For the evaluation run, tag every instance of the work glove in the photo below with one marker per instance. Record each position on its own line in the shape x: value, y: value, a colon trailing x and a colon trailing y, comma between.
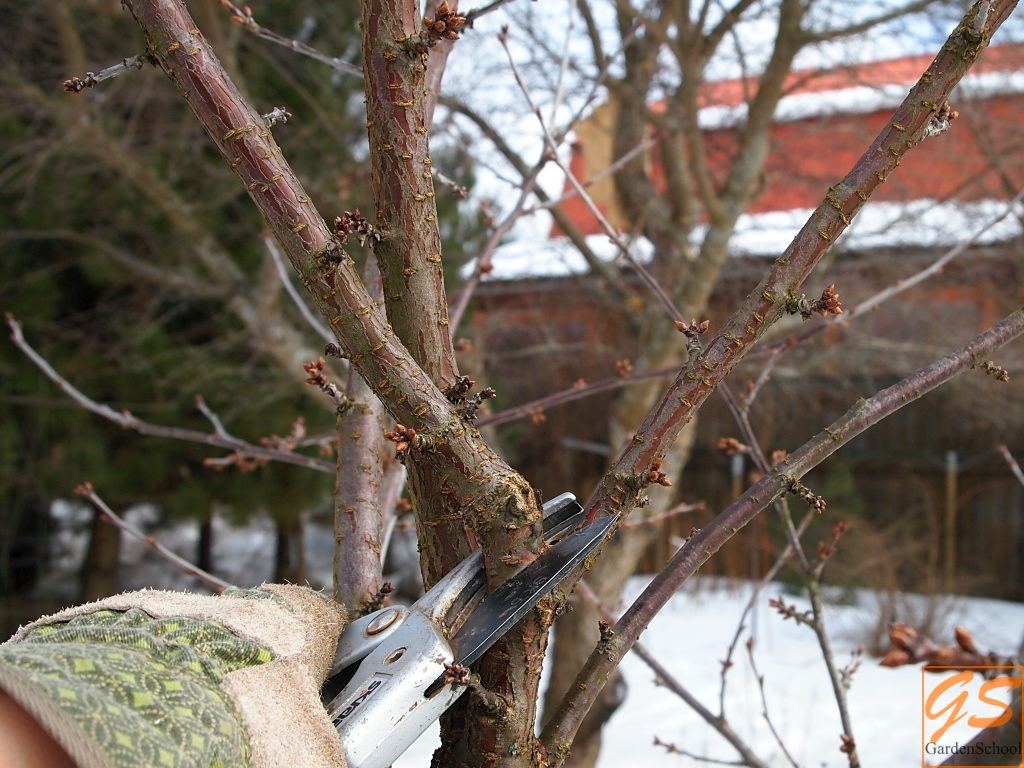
x: 155, y: 678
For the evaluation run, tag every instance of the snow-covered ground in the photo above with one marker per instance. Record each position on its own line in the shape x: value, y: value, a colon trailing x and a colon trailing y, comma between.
x: 690, y: 638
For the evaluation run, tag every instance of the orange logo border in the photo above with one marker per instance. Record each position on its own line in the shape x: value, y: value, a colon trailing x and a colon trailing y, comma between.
x: 1012, y: 678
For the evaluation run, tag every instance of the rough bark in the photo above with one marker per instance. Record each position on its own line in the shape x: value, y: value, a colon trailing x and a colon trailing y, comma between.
x: 457, y: 481
x: 689, y: 278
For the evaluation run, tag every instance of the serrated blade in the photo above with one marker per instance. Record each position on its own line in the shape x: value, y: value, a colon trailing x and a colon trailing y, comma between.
x: 507, y: 604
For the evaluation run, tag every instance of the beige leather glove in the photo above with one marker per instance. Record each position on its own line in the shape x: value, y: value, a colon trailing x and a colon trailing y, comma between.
x: 156, y: 678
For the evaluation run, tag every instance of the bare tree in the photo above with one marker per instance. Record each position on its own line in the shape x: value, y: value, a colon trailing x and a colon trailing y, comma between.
x: 651, y: 64
x: 463, y: 493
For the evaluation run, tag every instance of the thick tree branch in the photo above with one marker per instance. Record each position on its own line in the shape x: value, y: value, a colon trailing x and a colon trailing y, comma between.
x: 784, y: 478
x: 765, y: 304
x: 407, y: 240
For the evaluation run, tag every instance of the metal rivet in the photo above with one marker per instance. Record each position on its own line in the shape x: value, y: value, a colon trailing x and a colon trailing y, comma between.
x: 382, y: 622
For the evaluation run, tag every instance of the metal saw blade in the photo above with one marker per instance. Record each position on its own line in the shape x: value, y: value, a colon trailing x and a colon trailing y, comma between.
x: 507, y: 604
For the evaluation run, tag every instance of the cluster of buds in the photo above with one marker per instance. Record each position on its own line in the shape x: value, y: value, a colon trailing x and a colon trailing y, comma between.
x: 788, y: 611
x: 318, y: 378
x: 444, y: 25
x: 290, y: 441
x: 472, y: 405
x: 406, y: 439
x: 815, y: 502
x: 829, y: 548
x: 692, y: 332
x: 457, y: 392
x: 730, y: 446
x: 623, y: 369
x: 828, y: 304
x: 911, y: 647
x: 275, y: 116
x: 380, y: 598
x: 456, y: 674
x: 656, y: 476
x: 351, y: 223
x: 849, y: 746
x: 79, y: 84
x: 940, y: 121
x: 537, y: 415
x: 992, y: 369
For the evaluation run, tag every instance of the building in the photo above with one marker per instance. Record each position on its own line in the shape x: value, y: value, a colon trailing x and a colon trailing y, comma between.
x: 542, y: 323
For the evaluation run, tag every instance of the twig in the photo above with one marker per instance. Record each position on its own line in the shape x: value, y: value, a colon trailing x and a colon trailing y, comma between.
x: 710, y: 539
x: 834, y: 674
x: 812, y: 575
x: 1014, y: 466
x: 563, y: 67
x: 315, y: 322
x: 483, y: 10
x: 569, y: 395
x: 218, y: 585
x: 674, y: 749
x: 483, y: 259
x: 244, y: 18
x: 873, y: 302
x: 613, y: 234
x: 92, y: 79
x: 678, y: 509
x: 663, y: 676
x: 220, y: 438
x: 606, y: 172
x: 764, y: 703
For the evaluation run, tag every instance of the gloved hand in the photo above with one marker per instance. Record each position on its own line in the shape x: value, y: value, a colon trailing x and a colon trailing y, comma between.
x: 156, y: 678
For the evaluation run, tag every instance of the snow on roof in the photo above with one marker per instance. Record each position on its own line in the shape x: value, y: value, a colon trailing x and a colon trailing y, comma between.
x: 857, y: 100
x: 918, y: 223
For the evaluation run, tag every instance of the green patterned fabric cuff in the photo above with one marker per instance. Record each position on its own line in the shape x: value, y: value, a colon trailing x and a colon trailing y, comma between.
x: 146, y: 690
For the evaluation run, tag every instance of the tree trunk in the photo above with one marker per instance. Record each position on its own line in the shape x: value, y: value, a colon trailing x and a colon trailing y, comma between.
x: 100, y: 567
x: 290, y: 555
x: 204, y: 547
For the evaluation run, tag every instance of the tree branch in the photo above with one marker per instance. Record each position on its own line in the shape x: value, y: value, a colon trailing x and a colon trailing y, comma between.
x: 703, y: 544
x: 220, y: 438
x: 406, y: 239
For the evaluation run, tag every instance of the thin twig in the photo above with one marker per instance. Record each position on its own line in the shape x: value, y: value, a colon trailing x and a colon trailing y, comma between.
x: 244, y: 19
x: 764, y: 703
x: 610, y: 170
x: 1014, y: 466
x: 483, y: 10
x: 220, y: 438
x: 663, y: 676
x: 678, y: 509
x: 218, y: 585
x: 873, y: 302
x: 613, y: 234
x: 315, y: 322
x: 92, y: 79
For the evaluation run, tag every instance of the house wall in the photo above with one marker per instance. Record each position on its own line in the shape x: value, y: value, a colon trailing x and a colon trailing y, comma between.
x: 980, y: 157
x: 539, y: 337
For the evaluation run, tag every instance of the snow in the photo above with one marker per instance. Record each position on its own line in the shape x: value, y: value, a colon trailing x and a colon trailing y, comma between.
x: 858, y: 100
x: 918, y: 223
x: 690, y: 637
